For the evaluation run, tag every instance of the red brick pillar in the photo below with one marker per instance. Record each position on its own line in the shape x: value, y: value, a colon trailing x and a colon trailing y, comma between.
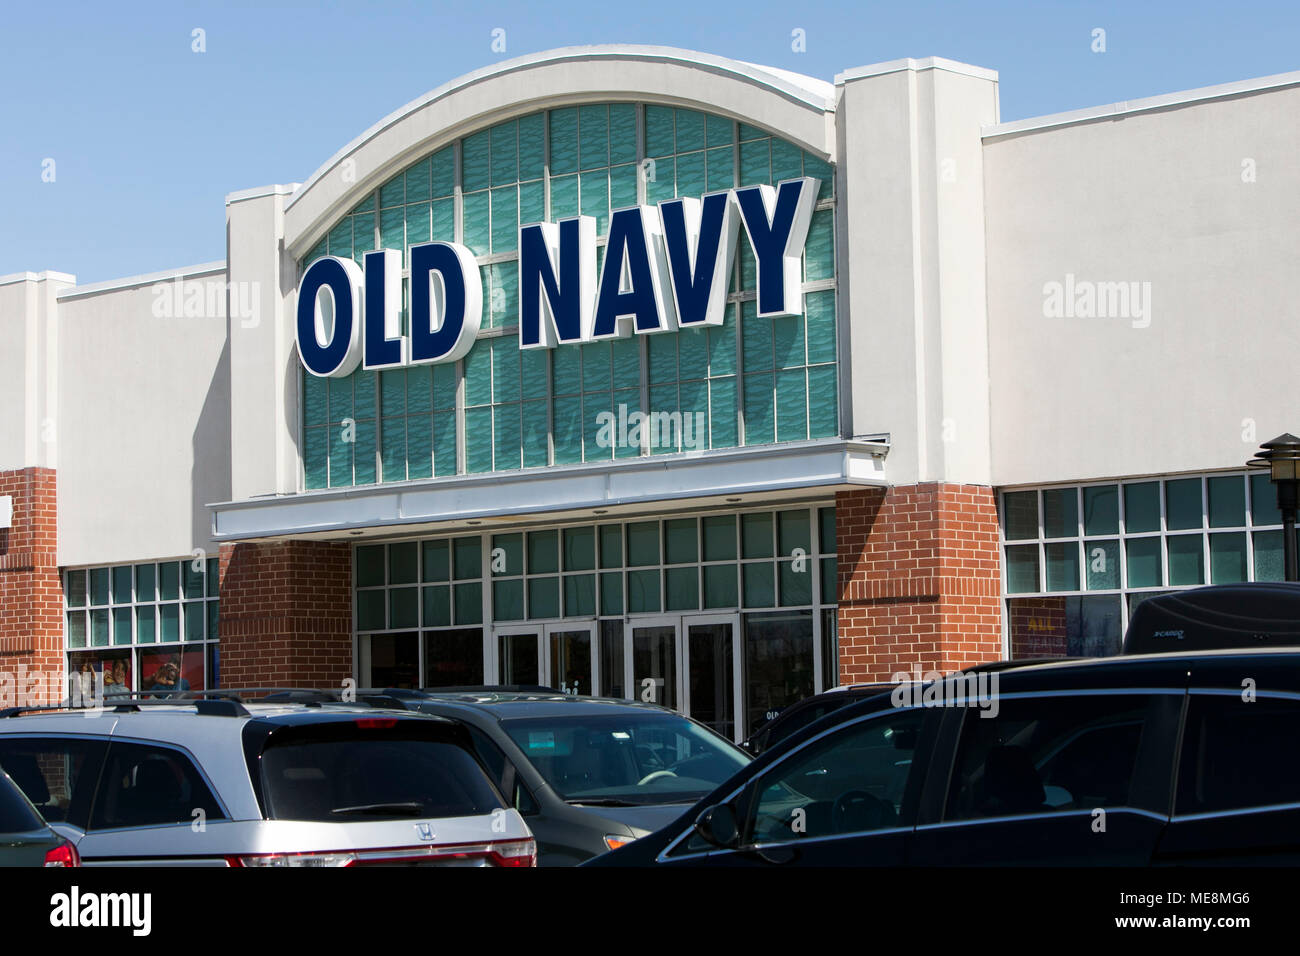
x: 286, y: 614
x: 919, y: 580
x: 31, y: 593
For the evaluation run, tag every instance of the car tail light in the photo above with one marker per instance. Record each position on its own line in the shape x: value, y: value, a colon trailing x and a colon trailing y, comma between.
x: 293, y: 859
x: 65, y: 854
x: 506, y: 853
x: 376, y: 723
x: 518, y: 853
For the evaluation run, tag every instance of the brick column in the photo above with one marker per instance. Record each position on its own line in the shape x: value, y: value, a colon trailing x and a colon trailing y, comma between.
x: 919, y: 579
x: 31, y: 592
x: 286, y: 614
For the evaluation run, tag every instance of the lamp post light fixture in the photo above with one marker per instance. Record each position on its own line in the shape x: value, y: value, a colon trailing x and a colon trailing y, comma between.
x: 1281, y: 457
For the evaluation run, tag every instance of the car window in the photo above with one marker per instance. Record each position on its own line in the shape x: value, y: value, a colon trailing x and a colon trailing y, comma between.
x: 1043, y: 754
x: 49, y: 769
x: 495, y: 760
x: 850, y: 781
x: 1236, y: 754
x: 146, y: 785
x: 779, y: 730
x: 16, y: 814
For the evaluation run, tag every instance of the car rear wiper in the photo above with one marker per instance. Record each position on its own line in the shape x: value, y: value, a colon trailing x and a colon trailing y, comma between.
x: 410, y: 808
x: 603, y: 802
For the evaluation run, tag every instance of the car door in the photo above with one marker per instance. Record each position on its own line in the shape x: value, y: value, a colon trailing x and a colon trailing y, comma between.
x: 1237, y: 799
x: 845, y: 797
x: 1053, y: 779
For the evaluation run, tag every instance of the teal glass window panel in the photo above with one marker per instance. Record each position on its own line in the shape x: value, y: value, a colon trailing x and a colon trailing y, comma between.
x: 417, y: 182
x: 622, y: 187
x: 1227, y: 501
x: 340, y: 399
x: 756, y: 535
x: 796, y: 580
x: 468, y: 600
x: 214, y: 619
x: 823, y: 404
x: 627, y: 401
x: 722, y: 413
x: 371, y: 610
x: 580, y: 595
x: 660, y: 138
x: 820, y: 169
x: 720, y: 586
x: 478, y: 440
x: 566, y: 370
x: 819, y: 247
x: 682, y: 589
x: 146, y: 577
x: 720, y: 166
x: 122, y: 626
x: 505, y: 153
x: 1142, y: 507
x: 505, y: 219
x: 393, y: 192
x: 543, y: 552
x: 419, y: 393
x: 567, y: 429
x: 394, y: 445
x: 364, y: 453
x: 1022, y: 568
x: 692, y: 353
x: 122, y: 584
x: 437, y: 606
x: 830, y: 592
x: 794, y: 531
x: 468, y: 558
x: 192, y: 578
x: 340, y: 456
x: 1263, y: 501
x: 507, y: 438
x: 532, y: 203
x: 722, y: 345
x: 392, y: 390
x: 791, y: 406
x: 476, y: 222
x: 611, y: 593
x: 622, y: 133
x: 392, y: 230
x: 826, y: 527
x: 787, y: 341
x: 694, y: 403
x: 611, y: 546
x: 642, y: 543
x: 403, y: 563
x: 757, y: 332
x: 564, y: 197
x: 364, y: 390
x: 533, y: 371
x: 1186, y: 559
x: 171, y: 623
x: 418, y: 228
x: 755, y: 162
x: 444, y: 444
x: 1101, y: 559
x: 593, y: 136
x: 661, y: 178
x: 363, y: 235
x: 1101, y: 509
x: 787, y: 161
x: 99, y: 627
x: 690, y: 130
x: 169, y: 582
x: 99, y: 579
x: 543, y: 597
x: 681, y: 542
x: 719, y: 131
x: 1183, y: 505
x: 759, y: 588
x: 443, y: 172
x: 1270, y: 562
x: 436, y: 560
x: 1060, y: 513
x: 340, y: 239
x: 370, y: 565
x: 403, y: 607
x: 820, y: 308
x: 1062, y: 565
x: 315, y: 399
x: 719, y: 537
x: 564, y: 140
x: 146, y: 625
x: 661, y: 357
x: 643, y: 591
x: 660, y: 433
x: 692, y: 176
x: 475, y: 161
x: 444, y: 221
x: 760, y: 428
x: 535, y: 448
x: 419, y: 446
x: 579, y: 549
x: 508, y: 600
x: 1143, y: 559
x: 596, y: 367
x: 595, y: 198
x: 598, y: 436
x: 748, y: 269
x: 1228, y: 557
x: 315, y: 458
x: 444, y: 387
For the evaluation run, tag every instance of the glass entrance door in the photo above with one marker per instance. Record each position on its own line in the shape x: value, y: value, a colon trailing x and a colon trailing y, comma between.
x: 519, y: 655
x: 653, y: 657
x: 571, y: 657
x: 713, y: 672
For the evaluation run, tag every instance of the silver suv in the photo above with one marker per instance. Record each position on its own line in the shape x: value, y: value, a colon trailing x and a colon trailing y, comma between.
x: 217, y: 782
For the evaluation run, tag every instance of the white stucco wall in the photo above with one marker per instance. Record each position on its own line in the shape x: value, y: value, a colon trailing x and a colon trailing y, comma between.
x: 28, y: 359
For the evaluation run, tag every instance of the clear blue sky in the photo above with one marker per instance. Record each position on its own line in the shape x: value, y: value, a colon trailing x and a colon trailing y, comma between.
x: 148, y: 137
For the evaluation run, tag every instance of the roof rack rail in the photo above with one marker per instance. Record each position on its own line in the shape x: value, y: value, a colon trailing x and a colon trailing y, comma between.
x: 131, y: 703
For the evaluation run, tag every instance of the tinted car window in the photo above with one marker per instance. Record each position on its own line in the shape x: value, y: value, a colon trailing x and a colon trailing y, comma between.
x: 850, y: 781
x: 144, y: 785
x: 337, y: 772
x: 1238, y: 754
x: 49, y: 769
x: 495, y: 760
x: 16, y: 814
x: 1044, y: 754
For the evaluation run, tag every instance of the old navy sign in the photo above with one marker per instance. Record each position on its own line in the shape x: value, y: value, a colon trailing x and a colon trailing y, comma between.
x: 665, y: 269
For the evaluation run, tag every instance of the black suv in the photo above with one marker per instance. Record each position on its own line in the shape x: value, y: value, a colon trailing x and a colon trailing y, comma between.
x: 1169, y: 758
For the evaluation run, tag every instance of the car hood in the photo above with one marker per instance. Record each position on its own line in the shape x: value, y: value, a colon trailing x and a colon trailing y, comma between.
x: 641, y: 819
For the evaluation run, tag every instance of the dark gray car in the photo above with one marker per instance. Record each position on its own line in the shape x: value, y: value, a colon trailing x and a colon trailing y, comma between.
x: 589, y: 774
x: 25, y: 838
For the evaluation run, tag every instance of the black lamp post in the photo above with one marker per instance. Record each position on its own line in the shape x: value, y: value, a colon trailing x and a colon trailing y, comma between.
x: 1281, y: 457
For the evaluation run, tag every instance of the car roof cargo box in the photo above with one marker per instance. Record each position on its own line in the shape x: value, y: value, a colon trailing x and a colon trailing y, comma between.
x: 1223, y: 616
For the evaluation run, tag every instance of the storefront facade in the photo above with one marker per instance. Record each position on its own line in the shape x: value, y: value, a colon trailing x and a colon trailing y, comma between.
x: 818, y: 422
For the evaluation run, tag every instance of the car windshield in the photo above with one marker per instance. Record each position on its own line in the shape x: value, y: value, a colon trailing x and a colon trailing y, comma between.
x: 632, y: 758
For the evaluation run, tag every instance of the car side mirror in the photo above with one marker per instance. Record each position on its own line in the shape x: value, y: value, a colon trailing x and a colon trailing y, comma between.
x: 717, y: 825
